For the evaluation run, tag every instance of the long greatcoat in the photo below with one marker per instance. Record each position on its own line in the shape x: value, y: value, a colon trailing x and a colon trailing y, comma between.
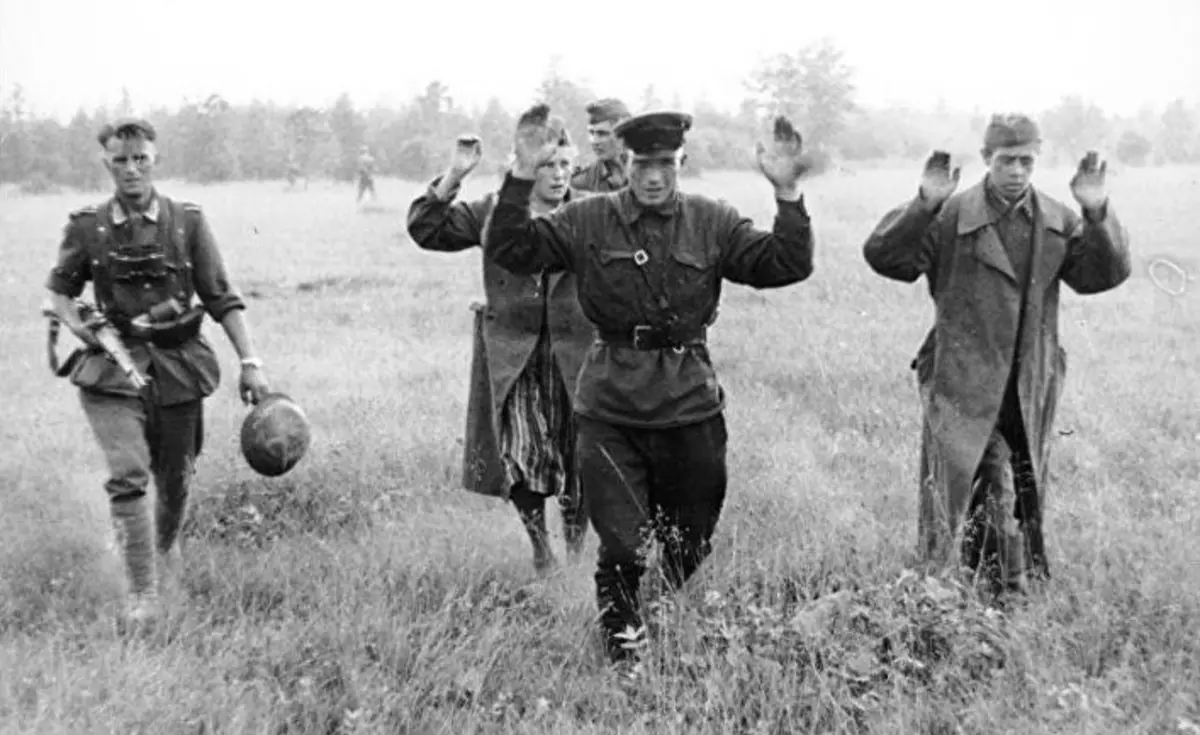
x: 506, y: 329
x: 964, y: 365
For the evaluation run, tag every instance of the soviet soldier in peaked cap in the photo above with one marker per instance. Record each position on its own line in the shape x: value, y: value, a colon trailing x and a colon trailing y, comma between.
x: 530, y: 338
x: 141, y: 249
x: 607, y: 172
x: 650, y: 261
x: 991, y: 369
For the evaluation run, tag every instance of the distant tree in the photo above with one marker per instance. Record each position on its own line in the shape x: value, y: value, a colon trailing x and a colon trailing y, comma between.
x: 1177, y: 136
x: 1073, y: 127
x: 84, y: 169
x: 347, y: 127
x: 1133, y: 148
x: 813, y: 86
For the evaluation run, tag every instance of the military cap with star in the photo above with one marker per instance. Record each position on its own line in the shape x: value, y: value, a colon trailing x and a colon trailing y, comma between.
x: 654, y: 132
x: 608, y: 109
x: 127, y: 125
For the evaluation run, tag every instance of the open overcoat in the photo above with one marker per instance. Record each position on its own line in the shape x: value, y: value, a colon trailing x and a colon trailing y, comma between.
x: 506, y: 328
x: 964, y: 364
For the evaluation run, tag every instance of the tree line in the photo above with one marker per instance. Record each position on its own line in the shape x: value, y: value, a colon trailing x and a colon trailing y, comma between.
x: 212, y: 140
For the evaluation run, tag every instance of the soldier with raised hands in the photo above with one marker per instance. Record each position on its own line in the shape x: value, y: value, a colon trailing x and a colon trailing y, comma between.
x: 650, y: 261
x: 530, y: 338
x: 991, y: 369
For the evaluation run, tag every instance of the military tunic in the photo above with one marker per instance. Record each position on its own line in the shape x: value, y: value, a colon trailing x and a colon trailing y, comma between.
x: 991, y: 369
x: 652, y: 434
x: 135, y: 262
x: 599, y: 176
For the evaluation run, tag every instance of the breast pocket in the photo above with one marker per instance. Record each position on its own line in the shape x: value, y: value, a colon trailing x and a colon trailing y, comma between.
x: 692, y: 280
x: 613, y: 287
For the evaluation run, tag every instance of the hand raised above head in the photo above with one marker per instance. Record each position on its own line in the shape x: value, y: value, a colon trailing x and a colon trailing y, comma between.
x: 939, y: 180
x: 536, y: 137
x: 468, y: 151
x: 783, y: 161
x: 1088, y: 185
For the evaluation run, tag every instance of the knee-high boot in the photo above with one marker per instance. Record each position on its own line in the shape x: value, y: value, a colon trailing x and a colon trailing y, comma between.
x: 135, y: 532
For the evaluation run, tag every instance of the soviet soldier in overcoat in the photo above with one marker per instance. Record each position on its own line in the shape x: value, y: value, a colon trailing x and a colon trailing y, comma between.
x: 650, y: 262
x: 607, y: 172
x: 530, y: 337
x: 140, y: 249
x: 991, y: 369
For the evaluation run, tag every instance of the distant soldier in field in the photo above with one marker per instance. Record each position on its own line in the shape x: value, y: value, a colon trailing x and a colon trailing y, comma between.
x: 141, y: 249
x: 650, y: 260
x: 530, y: 338
x: 295, y: 173
x: 366, y: 174
x: 991, y: 369
x: 607, y: 172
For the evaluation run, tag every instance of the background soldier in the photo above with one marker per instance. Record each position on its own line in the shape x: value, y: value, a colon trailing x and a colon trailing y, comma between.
x: 650, y: 260
x: 991, y: 369
x: 530, y: 338
x: 140, y: 249
x: 366, y: 174
x: 607, y: 172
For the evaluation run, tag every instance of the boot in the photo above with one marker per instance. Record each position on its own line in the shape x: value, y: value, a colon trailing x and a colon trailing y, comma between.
x: 620, y: 620
x: 575, y: 521
x: 135, y: 532
x: 532, y: 510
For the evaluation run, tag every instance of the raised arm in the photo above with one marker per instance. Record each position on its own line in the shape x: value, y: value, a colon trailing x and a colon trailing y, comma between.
x: 763, y: 259
x: 523, y: 244
x: 435, y: 220
x: 515, y: 240
x: 903, y: 246
x: 1098, y: 248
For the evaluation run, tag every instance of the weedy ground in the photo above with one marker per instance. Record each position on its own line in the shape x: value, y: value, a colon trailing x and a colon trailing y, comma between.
x: 365, y: 592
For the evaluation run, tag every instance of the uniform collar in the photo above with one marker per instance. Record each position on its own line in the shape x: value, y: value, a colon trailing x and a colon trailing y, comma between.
x: 632, y: 209
x: 119, y: 216
x: 1001, y: 206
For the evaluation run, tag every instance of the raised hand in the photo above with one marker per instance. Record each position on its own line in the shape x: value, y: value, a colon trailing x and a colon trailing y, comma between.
x: 468, y: 150
x: 938, y: 181
x: 784, y: 161
x: 536, y: 138
x: 1087, y: 185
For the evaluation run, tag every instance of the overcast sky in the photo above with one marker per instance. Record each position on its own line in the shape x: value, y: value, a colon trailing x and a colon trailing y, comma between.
x: 1016, y: 54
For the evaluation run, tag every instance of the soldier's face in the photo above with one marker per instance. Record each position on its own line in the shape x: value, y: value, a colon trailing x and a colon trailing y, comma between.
x: 1011, y: 168
x: 130, y: 162
x: 550, y: 181
x: 652, y: 176
x: 605, y: 145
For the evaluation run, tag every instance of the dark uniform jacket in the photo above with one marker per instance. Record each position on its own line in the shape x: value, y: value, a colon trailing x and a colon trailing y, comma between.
x: 981, y: 322
x: 661, y: 269
x: 507, y: 327
x: 599, y: 176
x: 134, y: 267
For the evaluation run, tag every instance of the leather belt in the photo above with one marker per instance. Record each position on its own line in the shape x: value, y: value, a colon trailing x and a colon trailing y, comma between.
x: 646, y: 337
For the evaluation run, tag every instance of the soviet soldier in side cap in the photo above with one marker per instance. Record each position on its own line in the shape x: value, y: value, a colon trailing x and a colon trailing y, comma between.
x: 650, y: 261
x: 991, y: 369
x: 148, y: 257
x: 607, y: 172
x: 530, y: 338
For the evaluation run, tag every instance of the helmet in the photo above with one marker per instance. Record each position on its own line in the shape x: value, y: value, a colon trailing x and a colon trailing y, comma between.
x: 275, y: 435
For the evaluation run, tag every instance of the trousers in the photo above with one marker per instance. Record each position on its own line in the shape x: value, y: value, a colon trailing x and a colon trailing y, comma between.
x: 642, y: 485
x: 142, y: 440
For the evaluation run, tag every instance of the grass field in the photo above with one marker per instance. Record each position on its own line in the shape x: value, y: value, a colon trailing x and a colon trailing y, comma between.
x: 365, y: 592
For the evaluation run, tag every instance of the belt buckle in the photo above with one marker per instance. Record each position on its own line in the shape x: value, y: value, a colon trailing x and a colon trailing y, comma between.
x: 639, y: 332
